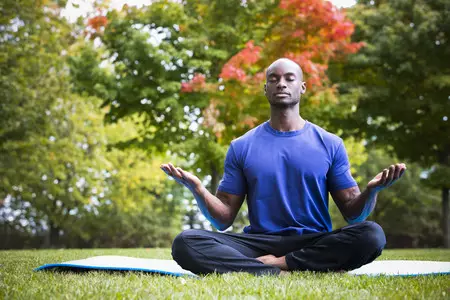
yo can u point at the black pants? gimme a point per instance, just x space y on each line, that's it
347 248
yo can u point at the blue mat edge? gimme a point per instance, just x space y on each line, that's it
50 266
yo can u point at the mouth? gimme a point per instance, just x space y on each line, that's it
282 94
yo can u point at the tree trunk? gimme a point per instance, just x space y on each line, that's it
445 217
444 159
53 235
47 243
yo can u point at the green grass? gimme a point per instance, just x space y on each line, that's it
18 281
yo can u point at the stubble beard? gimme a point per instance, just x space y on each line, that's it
284 105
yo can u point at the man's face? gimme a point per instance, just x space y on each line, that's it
284 84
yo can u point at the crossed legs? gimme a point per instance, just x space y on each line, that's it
348 248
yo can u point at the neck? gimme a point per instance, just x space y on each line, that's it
286 119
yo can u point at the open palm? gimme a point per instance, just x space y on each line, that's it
387 177
181 176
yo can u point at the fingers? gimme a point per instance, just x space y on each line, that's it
394 173
387 177
174 171
399 170
402 169
170 170
166 169
383 176
390 175
182 177
182 172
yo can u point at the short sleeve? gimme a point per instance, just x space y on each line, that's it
339 176
233 181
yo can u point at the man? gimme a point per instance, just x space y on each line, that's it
286 167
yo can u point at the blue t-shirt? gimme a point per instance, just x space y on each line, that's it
286 177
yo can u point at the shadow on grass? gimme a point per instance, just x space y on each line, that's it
75 270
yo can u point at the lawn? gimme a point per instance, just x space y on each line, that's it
18 281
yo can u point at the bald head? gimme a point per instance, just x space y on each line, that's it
284 83
285 63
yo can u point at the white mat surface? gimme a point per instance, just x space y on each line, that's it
403 268
123 263
170 267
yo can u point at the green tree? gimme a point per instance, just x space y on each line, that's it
57 177
147 53
400 80
69 184
32 80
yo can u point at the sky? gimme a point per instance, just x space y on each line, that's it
84 6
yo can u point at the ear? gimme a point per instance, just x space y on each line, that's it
265 89
303 88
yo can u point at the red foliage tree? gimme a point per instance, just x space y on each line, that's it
234 68
197 83
97 22
310 32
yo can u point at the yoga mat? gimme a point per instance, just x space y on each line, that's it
122 263
403 268
170 267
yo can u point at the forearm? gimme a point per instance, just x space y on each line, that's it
360 207
217 212
356 206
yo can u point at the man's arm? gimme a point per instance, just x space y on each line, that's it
220 210
356 206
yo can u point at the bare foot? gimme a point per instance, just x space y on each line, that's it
272 260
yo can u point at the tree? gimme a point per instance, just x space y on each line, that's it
401 83
70 186
57 177
147 53
32 81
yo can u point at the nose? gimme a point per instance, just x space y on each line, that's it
281 84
